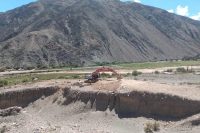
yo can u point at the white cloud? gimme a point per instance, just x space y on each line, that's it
182 10
196 17
138 1
171 11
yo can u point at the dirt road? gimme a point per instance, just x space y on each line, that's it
87 71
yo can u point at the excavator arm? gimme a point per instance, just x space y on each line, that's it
96 74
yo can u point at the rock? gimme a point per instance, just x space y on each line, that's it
80 84
10 111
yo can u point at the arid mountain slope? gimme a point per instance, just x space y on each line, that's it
67 32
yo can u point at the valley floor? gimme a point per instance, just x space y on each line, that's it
49 114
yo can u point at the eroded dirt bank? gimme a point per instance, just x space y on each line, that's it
135 103
25 96
124 104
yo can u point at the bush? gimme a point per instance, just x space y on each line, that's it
62 77
149 127
2 69
102 63
29 68
127 75
25 80
3 83
75 76
156 126
156 72
181 70
169 70
136 73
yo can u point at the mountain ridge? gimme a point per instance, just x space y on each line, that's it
81 32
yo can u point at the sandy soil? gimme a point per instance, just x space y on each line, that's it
46 116
124 85
121 71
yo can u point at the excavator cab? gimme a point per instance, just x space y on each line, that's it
94 77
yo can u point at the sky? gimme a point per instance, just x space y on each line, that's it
188 8
6 5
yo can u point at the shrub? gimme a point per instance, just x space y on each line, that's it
75 76
29 68
150 127
127 75
3 83
181 70
102 63
169 70
156 126
136 73
62 77
25 80
2 69
156 72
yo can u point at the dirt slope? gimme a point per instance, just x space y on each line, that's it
71 112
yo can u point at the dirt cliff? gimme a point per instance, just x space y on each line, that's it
24 97
136 103
128 104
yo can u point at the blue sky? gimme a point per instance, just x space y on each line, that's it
10 4
189 8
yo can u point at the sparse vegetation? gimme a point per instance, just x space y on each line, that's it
151 127
152 65
127 75
105 63
3 83
169 70
24 78
148 128
2 69
75 76
156 126
183 70
136 73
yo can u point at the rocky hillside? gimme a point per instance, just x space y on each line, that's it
71 32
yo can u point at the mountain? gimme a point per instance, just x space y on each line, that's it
78 32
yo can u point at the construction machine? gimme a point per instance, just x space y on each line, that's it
94 77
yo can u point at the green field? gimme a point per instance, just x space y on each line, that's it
152 65
25 78
39 75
